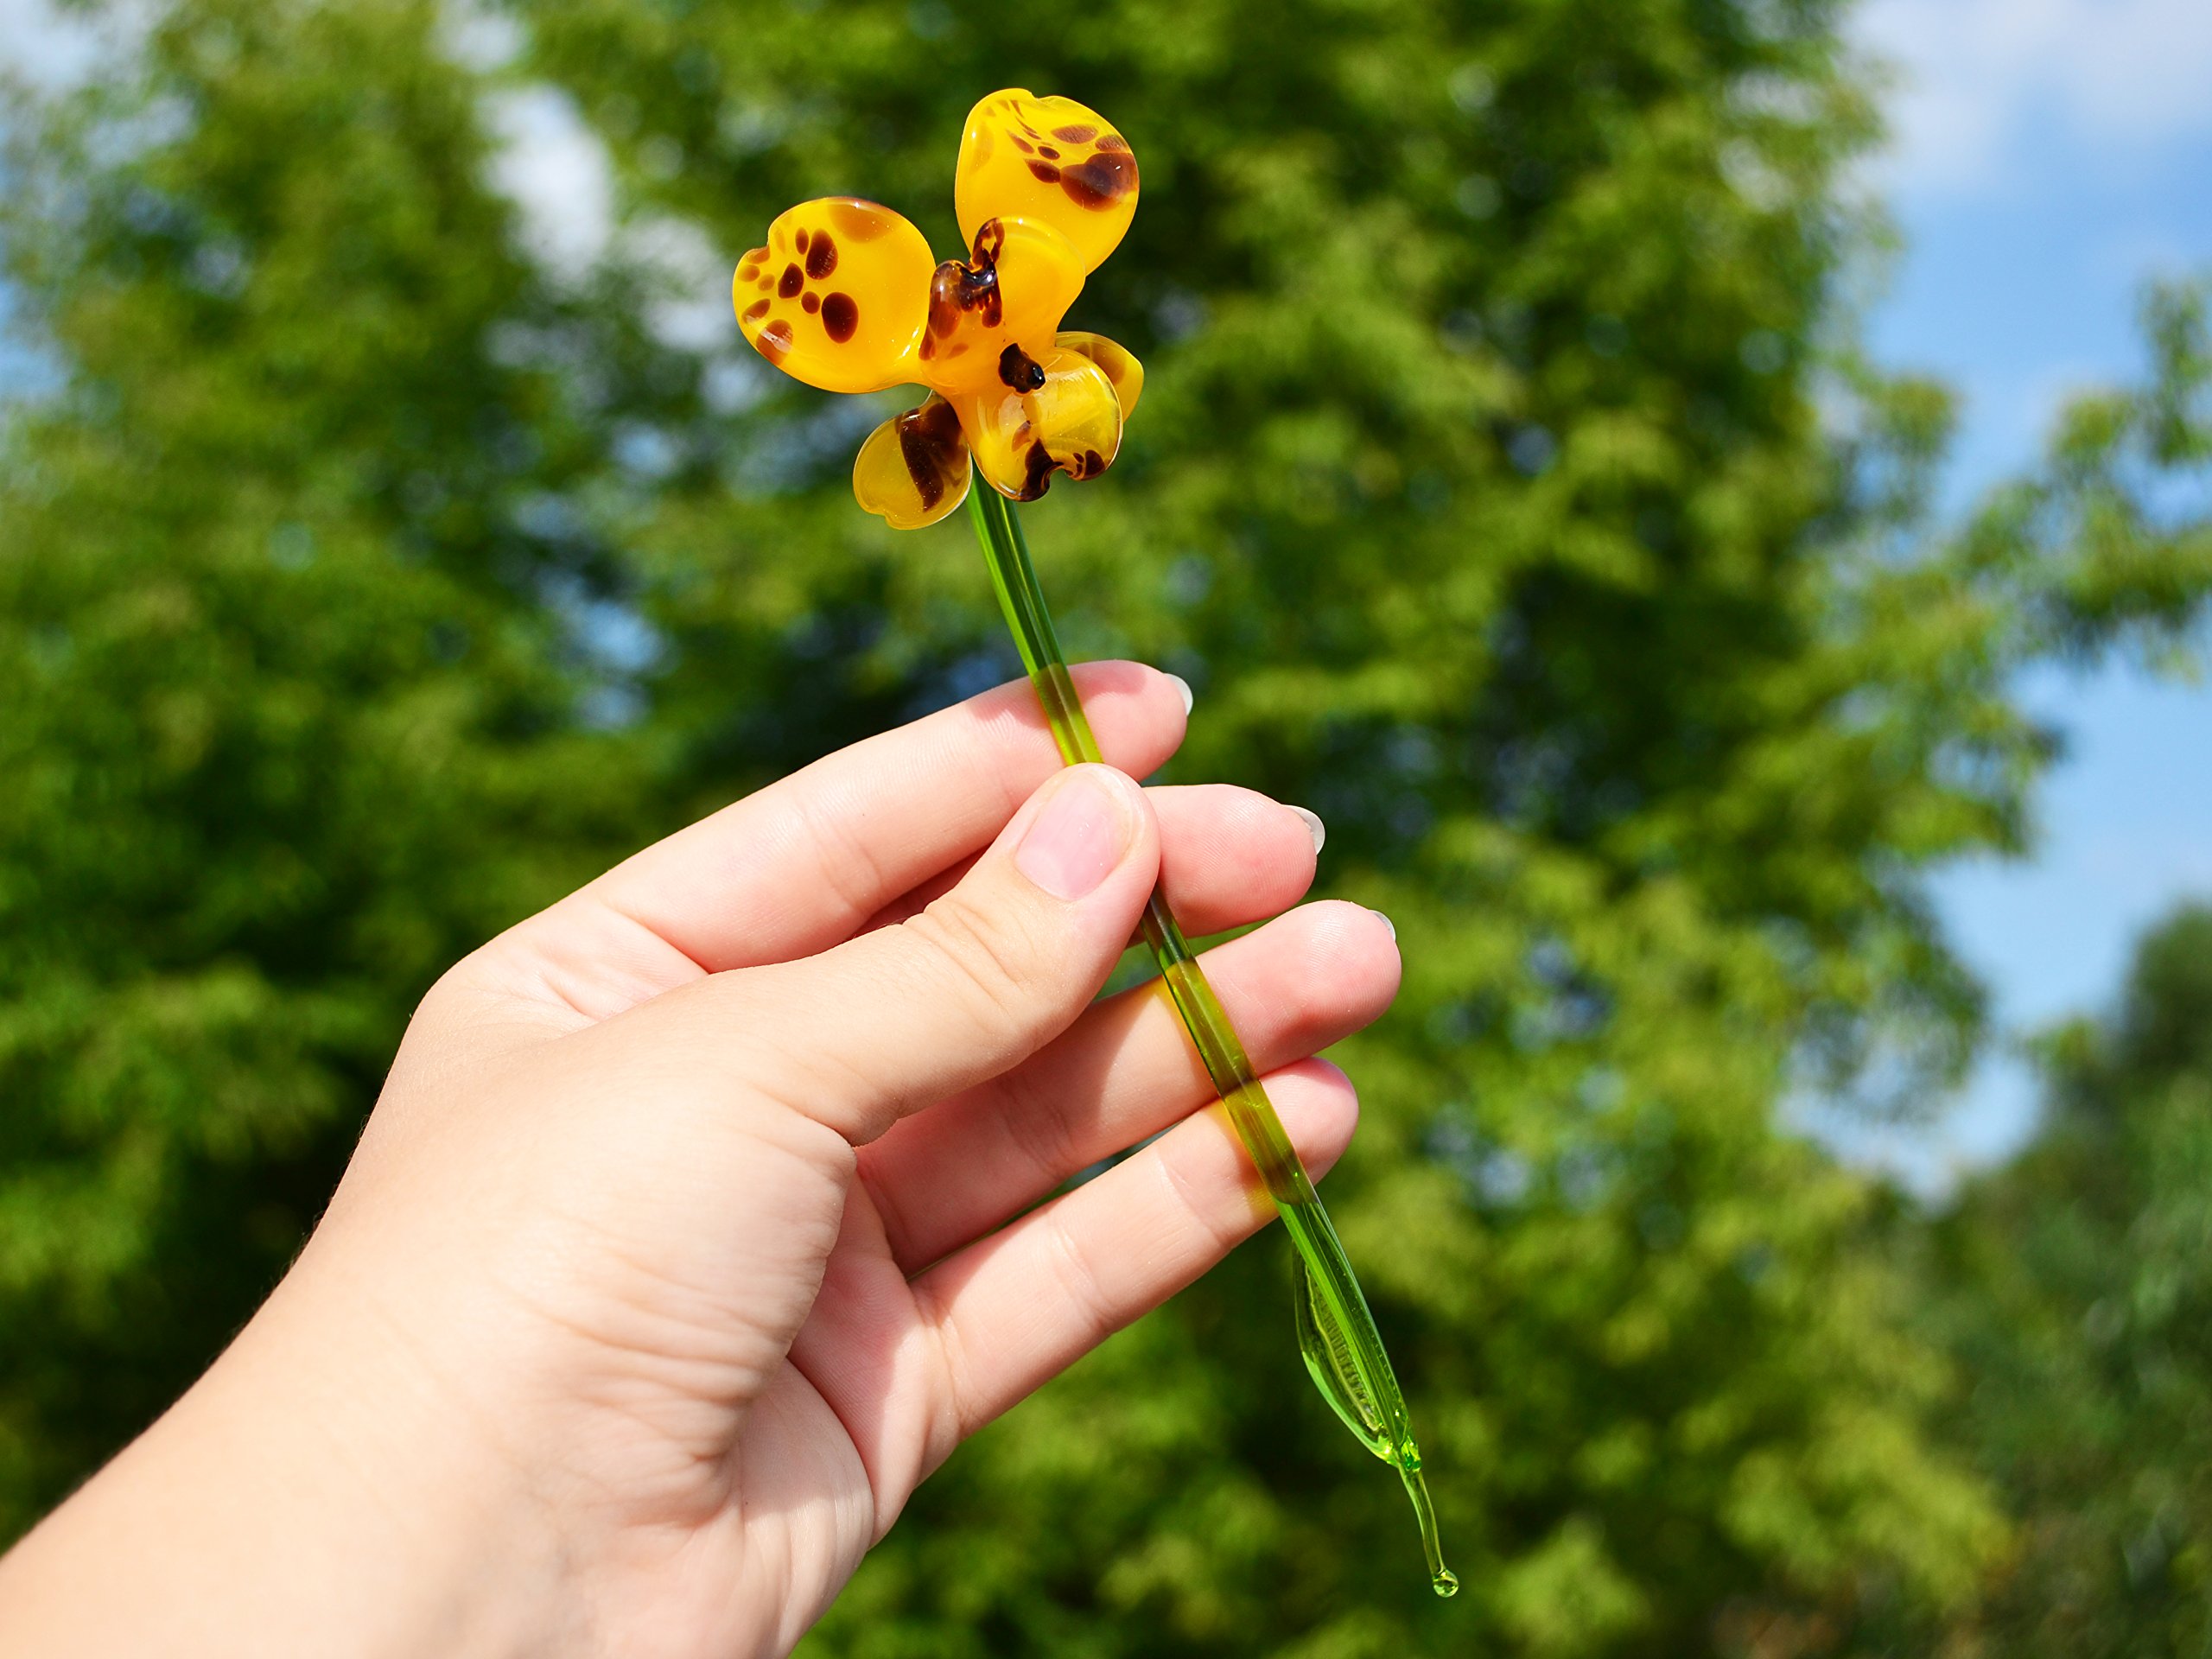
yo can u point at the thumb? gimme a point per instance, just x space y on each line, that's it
897 1019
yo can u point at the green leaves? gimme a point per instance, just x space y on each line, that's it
290 724
2074 1285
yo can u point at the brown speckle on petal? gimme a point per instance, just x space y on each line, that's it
810 304
1046 172
840 316
822 258
1036 472
794 280
775 341
1019 372
1100 181
757 310
957 289
1079 134
930 443
802 241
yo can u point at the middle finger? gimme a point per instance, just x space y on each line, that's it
1126 1070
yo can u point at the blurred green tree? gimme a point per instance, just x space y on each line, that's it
285 650
1507 481
2079 1298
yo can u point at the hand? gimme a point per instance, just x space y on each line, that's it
694 1228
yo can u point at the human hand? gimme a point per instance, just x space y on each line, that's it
693 1227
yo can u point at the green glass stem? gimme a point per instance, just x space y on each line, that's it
1336 1336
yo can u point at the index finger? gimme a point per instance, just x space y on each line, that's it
801 865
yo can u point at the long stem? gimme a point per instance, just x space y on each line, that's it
1342 1349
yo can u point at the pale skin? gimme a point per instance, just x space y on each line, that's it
698 1221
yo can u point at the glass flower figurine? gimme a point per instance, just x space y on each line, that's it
846 296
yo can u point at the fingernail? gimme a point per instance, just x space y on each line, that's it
1190 698
1314 827
1388 924
1079 836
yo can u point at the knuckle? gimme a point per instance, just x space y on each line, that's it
963 1409
1037 1132
1077 1274
989 960
446 990
1222 1229
739 1018
452 998
851 868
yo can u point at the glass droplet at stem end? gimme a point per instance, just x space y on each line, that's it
1441 1577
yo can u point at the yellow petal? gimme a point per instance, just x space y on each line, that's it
1071 424
1048 159
913 468
1017 282
1119 364
839 298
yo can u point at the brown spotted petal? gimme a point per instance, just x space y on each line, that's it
1071 423
839 296
1048 159
913 468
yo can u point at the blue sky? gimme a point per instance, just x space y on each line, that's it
2047 156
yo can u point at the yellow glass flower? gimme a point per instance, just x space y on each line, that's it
846 296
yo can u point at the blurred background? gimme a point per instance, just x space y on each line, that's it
1706 497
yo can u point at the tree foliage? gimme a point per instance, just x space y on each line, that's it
2078 1295
289 720
1509 484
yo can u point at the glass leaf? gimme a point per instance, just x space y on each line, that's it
1334 1365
